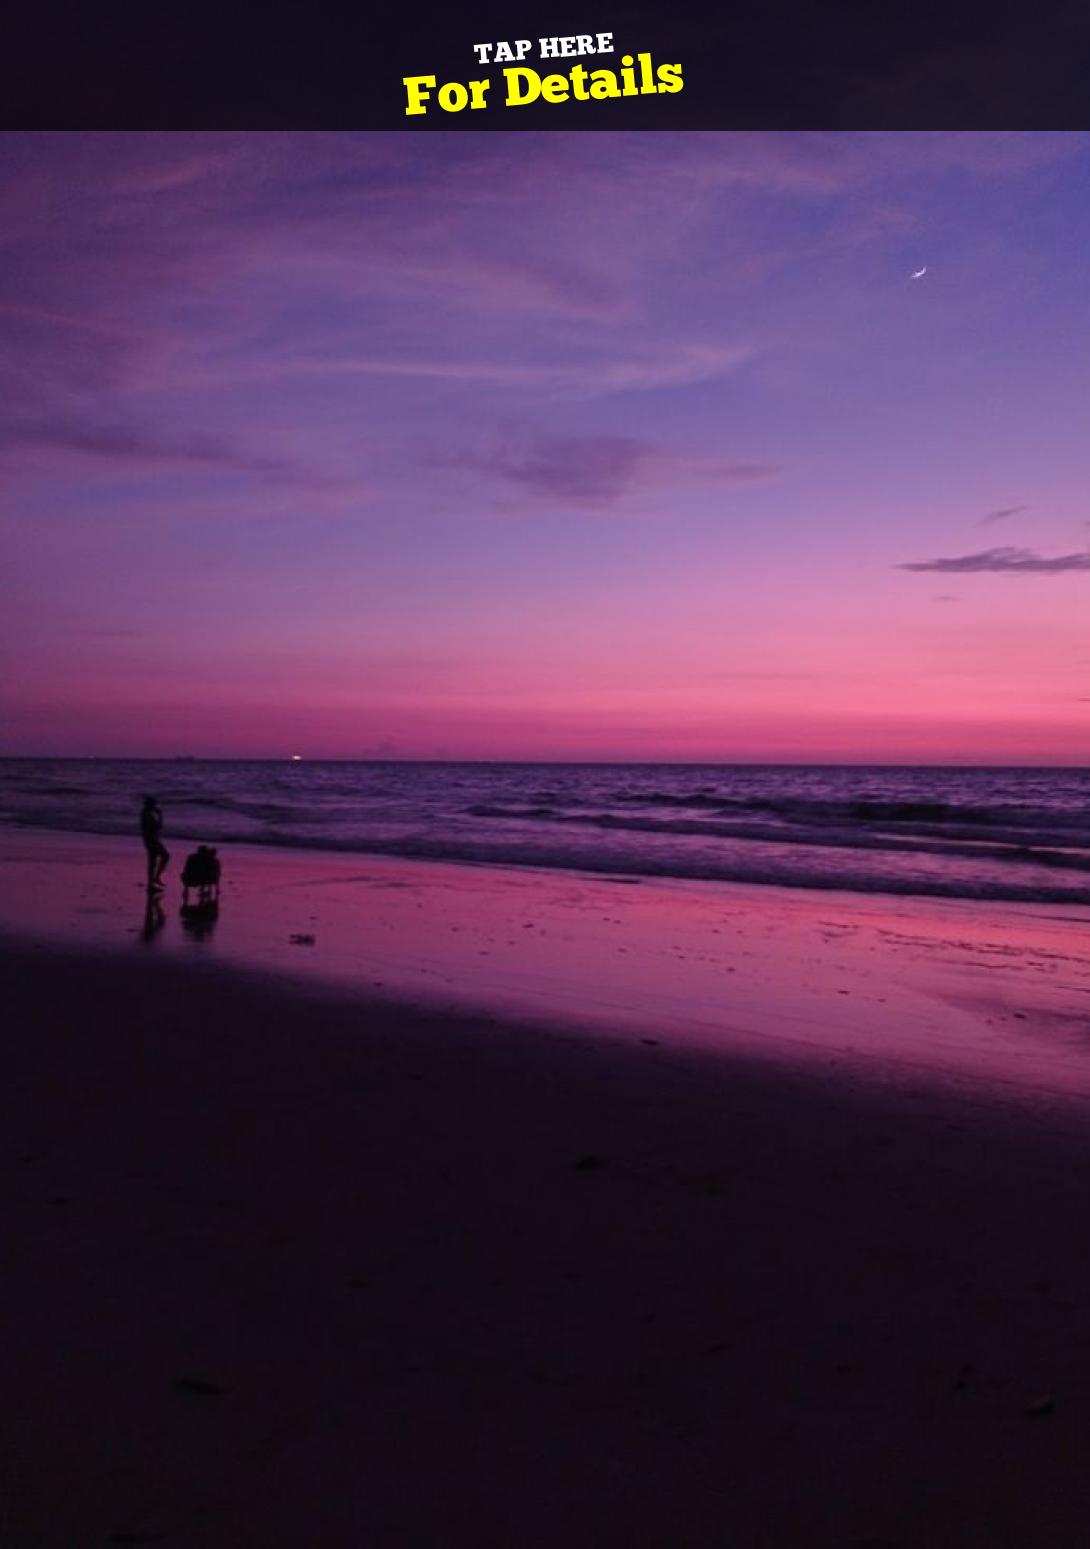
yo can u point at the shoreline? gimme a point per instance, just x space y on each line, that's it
631 874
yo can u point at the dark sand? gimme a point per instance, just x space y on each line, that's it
285 1267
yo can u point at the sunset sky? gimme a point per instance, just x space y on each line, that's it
527 445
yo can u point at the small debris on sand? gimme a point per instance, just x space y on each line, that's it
199 1385
301 939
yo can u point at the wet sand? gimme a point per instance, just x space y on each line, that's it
985 996
295 1257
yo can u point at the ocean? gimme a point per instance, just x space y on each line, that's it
1006 834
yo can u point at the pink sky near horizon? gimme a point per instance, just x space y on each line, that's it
546 446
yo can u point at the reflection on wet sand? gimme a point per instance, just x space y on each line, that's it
154 915
199 919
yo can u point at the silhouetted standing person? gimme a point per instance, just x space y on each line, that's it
151 831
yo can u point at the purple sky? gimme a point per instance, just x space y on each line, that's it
547 445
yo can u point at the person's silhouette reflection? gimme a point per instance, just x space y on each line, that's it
154 916
199 920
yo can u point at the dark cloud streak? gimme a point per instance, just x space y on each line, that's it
600 470
136 447
1003 561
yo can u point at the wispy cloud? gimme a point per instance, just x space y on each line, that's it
598 470
1005 561
672 366
133 446
1000 515
577 470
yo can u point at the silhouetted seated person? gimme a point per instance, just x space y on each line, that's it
151 831
202 871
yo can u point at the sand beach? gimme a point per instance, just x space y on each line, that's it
734 1218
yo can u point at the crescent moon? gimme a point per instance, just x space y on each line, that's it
918 274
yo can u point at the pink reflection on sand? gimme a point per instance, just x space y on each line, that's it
996 994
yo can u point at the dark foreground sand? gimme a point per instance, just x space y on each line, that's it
288 1269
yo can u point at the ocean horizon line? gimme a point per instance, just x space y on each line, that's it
533 763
